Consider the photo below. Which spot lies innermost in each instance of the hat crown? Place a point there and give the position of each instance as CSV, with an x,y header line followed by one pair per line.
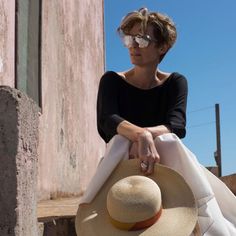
x,y
134,199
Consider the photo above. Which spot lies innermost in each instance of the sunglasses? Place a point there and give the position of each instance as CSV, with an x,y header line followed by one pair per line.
x,y
143,41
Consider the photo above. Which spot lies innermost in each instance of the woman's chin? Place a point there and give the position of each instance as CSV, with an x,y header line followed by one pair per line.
x,y
136,61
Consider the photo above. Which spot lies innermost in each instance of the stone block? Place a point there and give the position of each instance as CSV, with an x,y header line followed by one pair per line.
x,y
18,157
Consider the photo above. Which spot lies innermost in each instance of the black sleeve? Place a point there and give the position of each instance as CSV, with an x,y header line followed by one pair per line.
x,y
107,106
176,115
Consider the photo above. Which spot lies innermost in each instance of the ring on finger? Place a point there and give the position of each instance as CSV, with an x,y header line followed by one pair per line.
x,y
144,165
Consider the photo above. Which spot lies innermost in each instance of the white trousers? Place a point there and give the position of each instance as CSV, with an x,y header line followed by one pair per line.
x,y
216,203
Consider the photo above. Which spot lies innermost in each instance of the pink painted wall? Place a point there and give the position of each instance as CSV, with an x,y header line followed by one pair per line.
x,y
72,64
7,29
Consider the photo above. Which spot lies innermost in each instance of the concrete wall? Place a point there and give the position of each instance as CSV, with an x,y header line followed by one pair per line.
x,y
7,42
72,63
18,163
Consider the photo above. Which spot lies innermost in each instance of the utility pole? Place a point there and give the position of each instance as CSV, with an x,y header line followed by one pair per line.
x,y
218,144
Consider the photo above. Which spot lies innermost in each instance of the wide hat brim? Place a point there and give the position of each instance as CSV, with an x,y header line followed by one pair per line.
x,y
179,214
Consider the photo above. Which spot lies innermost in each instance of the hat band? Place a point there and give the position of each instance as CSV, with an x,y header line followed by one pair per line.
x,y
138,225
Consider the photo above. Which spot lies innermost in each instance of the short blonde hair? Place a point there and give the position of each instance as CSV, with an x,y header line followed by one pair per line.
x,y
163,27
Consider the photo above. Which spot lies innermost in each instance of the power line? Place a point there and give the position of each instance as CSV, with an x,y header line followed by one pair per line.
x,y
201,109
200,125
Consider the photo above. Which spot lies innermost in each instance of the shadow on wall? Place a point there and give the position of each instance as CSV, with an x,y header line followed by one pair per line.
x,y
8,152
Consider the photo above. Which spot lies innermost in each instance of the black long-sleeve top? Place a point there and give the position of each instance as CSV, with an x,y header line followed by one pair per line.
x,y
162,105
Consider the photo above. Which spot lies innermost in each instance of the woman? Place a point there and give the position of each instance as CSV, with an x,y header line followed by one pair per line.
x,y
147,108
143,102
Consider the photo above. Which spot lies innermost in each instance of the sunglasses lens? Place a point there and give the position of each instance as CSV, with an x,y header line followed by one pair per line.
x,y
143,43
127,41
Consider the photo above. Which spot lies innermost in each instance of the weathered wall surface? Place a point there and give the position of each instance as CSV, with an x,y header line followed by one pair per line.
x,y
72,63
230,181
7,28
18,163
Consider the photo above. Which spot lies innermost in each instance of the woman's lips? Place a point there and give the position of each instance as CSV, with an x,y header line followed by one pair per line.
x,y
135,54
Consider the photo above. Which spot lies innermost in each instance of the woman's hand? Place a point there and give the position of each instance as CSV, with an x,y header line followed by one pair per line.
x,y
133,151
159,130
147,152
142,147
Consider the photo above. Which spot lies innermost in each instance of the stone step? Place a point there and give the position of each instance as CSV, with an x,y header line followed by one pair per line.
x,y
57,217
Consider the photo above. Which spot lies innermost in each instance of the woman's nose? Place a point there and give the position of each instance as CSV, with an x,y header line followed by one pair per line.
x,y
134,44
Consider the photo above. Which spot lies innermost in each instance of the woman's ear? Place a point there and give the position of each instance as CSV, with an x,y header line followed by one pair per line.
x,y
164,48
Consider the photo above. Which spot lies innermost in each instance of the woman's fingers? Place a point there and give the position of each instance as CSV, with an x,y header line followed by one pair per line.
x,y
144,166
147,153
147,167
133,152
150,168
157,159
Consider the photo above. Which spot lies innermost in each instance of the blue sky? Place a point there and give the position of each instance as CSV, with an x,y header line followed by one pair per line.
x,y
205,52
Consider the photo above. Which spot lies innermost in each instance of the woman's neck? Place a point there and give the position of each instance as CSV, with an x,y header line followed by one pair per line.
x,y
143,77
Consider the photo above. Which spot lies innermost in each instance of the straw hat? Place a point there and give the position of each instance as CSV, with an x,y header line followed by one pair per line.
x,y
129,204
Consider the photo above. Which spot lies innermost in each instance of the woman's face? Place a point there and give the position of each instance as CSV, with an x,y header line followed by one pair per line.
x,y
144,56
